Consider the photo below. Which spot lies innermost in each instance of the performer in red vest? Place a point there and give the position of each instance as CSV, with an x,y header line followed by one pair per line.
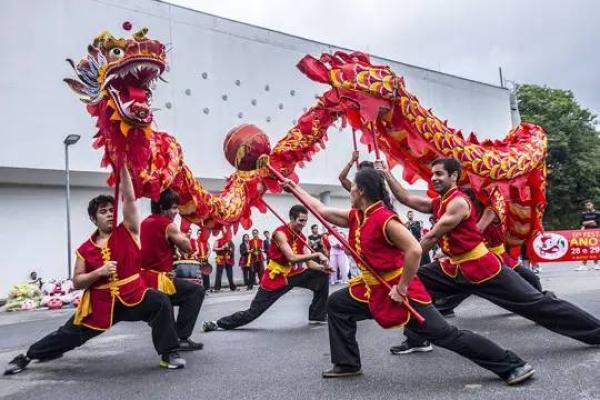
x,y
256,260
160,235
287,259
493,238
378,235
203,253
472,268
108,268
224,260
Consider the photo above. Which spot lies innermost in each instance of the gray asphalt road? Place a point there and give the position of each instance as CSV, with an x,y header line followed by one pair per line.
x,y
280,357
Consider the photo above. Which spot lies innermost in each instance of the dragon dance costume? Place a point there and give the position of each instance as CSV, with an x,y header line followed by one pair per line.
x,y
280,277
122,297
472,269
367,298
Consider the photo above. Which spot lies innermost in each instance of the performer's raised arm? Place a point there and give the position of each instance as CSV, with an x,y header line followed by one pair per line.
x,y
419,203
131,215
343,177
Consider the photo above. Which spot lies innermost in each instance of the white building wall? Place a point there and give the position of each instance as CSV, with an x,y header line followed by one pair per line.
x,y
38,111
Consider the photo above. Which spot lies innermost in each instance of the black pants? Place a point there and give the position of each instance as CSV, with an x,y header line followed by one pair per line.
x,y
247,282
313,280
206,282
343,312
530,276
448,304
189,297
256,271
229,271
511,292
155,309
425,259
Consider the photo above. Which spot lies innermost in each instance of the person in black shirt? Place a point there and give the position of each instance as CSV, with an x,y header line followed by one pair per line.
x,y
590,219
412,225
266,244
415,227
315,239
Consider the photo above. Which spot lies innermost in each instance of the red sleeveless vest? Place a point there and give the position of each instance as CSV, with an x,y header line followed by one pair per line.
x,y
367,236
464,244
126,287
157,252
202,250
273,278
255,249
493,235
224,257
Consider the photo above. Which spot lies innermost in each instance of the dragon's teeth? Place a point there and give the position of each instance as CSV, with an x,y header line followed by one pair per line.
x,y
126,105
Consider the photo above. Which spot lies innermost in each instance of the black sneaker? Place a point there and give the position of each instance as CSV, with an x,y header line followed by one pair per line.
x,y
18,364
208,326
407,348
519,375
189,345
340,371
172,360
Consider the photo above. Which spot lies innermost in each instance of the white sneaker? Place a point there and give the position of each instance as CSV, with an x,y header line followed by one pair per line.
x,y
582,268
597,267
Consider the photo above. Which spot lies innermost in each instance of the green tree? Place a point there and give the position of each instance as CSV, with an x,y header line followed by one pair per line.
x,y
573,151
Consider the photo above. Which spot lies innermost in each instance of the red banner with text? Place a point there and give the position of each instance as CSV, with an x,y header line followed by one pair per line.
x,y
557,246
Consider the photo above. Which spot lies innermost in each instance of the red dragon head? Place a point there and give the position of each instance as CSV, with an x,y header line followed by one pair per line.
x,y
121,72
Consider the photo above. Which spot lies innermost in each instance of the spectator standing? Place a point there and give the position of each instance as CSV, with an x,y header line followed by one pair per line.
x,y
338,261
224,249
590,219
266,244
245,260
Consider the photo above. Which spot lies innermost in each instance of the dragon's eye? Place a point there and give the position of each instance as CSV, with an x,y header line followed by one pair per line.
x,y
116,52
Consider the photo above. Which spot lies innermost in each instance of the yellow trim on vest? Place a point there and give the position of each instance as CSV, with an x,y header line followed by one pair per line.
x,y
498,250
370,280
85,305
275,269
477,252
164,282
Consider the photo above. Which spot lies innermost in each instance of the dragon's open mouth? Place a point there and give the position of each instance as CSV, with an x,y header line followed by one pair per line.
x,y
129,87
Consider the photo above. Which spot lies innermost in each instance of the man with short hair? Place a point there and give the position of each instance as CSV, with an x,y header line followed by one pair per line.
x,y
590,219
472,268
315,239
224,249
266,244
256,257
160,236
416,227
291,265
413,225
108,269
